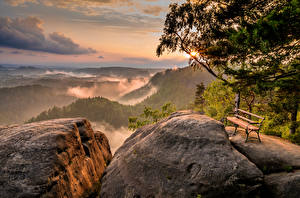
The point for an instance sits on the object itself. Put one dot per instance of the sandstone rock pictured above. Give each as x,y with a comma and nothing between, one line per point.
57,158
185,155
273,154
283,185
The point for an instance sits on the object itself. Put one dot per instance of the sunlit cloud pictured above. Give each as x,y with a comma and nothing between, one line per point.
91,7
124,33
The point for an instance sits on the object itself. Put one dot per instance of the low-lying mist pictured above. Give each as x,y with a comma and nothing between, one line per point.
68,74
137,100
110,87
116,137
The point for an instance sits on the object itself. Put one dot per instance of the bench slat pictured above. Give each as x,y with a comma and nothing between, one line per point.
248,120
243,111
242,123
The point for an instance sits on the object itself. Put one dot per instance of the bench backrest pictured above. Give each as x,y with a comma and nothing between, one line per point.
248,113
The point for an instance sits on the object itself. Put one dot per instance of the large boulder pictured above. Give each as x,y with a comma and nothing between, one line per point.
57,158
185,155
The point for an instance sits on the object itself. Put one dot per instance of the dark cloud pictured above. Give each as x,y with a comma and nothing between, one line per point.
1,51
27,34
100,57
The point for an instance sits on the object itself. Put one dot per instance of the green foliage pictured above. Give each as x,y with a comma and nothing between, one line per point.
219,100
199,98
95,109
254,43
151,116
175,86
288,169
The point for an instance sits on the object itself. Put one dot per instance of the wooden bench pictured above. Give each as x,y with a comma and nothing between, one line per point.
248,124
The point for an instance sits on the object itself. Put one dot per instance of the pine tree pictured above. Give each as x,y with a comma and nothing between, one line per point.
199,98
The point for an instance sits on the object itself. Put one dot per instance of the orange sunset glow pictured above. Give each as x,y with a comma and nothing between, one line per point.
93,33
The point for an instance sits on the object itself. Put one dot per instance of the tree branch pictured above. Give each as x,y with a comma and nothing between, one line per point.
188,51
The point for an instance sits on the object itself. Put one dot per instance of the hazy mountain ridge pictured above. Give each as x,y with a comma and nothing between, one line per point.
176,86
18,104
26,91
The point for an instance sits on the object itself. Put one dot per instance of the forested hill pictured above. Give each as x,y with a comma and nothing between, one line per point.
18,104
176,86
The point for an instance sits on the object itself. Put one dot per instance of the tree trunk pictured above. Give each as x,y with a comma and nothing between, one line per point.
237,101
294,119
250,110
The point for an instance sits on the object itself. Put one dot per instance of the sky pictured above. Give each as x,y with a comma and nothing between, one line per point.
84,33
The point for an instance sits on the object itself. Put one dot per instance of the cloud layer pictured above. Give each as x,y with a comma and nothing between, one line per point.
28,34
89,7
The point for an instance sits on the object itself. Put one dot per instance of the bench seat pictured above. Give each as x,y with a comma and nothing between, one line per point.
242,123
249,125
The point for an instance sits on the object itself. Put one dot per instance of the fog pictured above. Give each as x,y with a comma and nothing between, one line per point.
135,101
116,137
69,74
109,87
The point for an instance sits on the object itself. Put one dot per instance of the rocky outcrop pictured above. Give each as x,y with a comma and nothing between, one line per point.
185,155
277,158
57,158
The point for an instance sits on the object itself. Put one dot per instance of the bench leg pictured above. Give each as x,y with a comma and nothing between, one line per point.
247,135
258,137
235,129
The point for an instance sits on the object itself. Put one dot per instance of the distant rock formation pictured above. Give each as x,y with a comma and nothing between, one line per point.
185,155
191,155
56,158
